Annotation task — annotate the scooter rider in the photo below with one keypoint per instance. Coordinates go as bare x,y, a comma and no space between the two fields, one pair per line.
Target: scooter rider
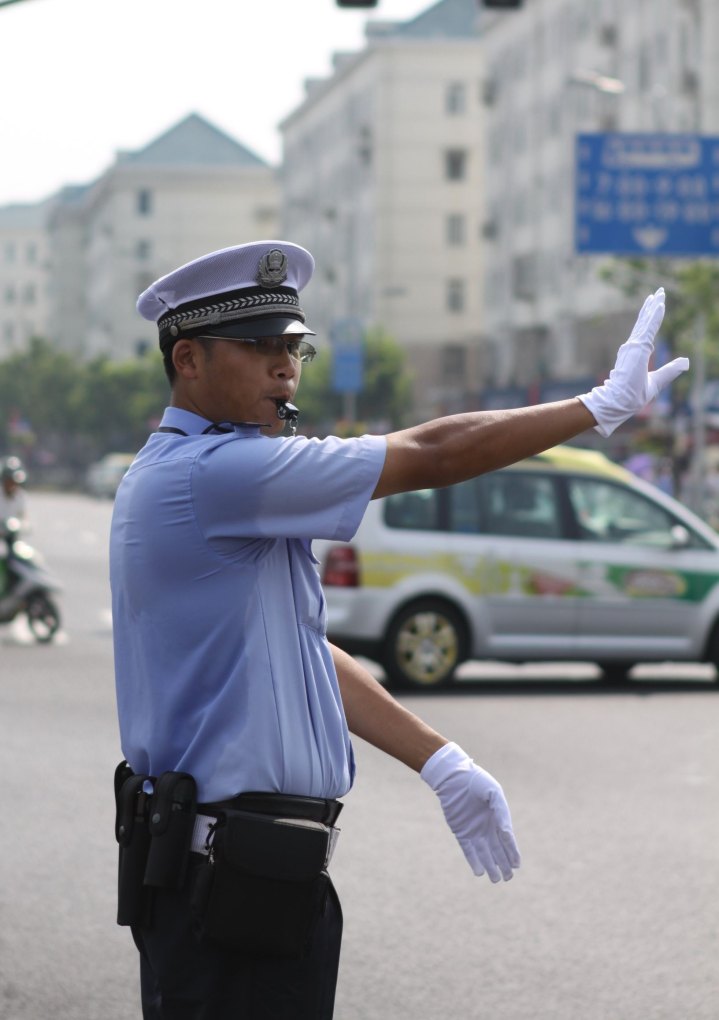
12,494
13,515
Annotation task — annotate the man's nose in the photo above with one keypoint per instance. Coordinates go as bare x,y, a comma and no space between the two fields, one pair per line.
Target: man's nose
285,365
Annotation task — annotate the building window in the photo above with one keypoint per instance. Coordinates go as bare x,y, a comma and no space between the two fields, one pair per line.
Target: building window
644,68
454,363
144,202
554,117
8,332
266,214
455,98
29,294
456,229
520,134
455,164
10,295
31,254
143,250
456,291
10,252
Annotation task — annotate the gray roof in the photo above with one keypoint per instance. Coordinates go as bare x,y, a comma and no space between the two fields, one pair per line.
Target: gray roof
447,19
23,215
193,141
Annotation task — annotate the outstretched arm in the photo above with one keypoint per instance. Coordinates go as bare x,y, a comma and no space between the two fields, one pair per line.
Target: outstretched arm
453,449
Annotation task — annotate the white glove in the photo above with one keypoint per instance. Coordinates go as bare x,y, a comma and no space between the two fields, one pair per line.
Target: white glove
630,386
476,811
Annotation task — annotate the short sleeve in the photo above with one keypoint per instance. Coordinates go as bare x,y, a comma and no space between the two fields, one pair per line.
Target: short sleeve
258,487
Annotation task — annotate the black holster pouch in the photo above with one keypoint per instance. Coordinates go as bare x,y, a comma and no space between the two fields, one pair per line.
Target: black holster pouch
154,832
264,884
172,817
133,836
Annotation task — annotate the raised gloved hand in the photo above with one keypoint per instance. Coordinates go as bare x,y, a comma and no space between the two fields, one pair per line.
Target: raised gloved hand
631,386
476,811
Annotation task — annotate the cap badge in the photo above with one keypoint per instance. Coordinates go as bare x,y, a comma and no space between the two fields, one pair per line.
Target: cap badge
272,269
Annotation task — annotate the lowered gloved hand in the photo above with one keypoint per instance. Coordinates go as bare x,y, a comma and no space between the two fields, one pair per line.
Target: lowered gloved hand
630,386
476,811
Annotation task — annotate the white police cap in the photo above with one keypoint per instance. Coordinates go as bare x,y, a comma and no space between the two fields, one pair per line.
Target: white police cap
244,291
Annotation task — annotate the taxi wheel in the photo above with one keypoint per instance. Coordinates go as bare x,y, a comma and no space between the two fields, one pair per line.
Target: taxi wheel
712,653
425,643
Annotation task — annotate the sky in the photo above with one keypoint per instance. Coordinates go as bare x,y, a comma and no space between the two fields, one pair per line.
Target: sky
82,79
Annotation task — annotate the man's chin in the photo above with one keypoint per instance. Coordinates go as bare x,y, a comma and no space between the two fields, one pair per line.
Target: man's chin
275,428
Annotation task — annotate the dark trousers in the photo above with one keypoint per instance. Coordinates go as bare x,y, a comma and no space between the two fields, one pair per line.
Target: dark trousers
182,979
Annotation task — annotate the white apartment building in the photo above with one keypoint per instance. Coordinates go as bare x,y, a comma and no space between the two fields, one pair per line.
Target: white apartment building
382,180
23,275
548,315
192,190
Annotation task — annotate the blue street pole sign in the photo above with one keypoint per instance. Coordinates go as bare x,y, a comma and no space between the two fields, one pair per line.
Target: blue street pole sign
647,194
347,336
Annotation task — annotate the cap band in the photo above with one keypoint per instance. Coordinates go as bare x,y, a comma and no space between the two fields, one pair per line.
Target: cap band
235,306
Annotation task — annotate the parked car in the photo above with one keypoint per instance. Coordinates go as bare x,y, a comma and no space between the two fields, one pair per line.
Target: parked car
103,477
564,556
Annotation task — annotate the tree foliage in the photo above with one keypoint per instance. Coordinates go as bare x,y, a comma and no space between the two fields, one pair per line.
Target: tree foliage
382,401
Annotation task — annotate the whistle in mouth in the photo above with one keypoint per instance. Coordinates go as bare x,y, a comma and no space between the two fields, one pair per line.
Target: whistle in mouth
289,413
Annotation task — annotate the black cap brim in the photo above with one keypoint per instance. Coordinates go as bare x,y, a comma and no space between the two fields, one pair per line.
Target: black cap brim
271,325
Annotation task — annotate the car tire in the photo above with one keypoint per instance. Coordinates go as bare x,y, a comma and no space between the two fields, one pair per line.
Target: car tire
712,655
615,672
425,643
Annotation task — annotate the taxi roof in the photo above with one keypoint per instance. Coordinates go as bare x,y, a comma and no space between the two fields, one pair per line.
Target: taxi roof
573,459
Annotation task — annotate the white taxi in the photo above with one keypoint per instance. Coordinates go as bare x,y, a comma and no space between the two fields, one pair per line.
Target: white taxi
564,556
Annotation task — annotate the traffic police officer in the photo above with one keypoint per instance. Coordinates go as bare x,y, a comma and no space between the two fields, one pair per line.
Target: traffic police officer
225,680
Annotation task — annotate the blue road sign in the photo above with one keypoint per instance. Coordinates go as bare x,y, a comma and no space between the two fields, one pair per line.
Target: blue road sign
647,194
347,336
347,370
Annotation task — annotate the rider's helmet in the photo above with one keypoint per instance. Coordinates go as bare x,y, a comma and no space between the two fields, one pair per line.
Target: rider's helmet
13,470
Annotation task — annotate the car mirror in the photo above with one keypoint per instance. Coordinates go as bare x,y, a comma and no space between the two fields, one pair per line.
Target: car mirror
681,537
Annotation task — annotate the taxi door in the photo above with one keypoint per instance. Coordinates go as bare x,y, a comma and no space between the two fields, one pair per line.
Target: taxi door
524,574
641,573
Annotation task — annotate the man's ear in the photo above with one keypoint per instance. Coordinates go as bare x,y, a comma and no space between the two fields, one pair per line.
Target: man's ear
185,354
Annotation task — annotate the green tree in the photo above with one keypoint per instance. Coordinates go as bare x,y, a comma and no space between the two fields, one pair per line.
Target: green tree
121,401
384,396
72,411
36,386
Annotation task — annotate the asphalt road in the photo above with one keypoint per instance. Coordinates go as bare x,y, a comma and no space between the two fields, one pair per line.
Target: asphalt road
614,914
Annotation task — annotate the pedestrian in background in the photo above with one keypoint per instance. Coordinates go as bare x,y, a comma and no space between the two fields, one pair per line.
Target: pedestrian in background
235,711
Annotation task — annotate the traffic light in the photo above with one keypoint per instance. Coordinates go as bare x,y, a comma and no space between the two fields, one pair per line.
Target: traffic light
356,3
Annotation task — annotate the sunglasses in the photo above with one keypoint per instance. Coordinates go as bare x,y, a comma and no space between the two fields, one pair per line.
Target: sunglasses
273,346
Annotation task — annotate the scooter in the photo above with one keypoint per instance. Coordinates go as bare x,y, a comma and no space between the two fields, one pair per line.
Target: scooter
29,585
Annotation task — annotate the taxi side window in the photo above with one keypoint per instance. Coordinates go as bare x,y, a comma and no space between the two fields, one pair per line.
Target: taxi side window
415,511
606,512
522,505
464,507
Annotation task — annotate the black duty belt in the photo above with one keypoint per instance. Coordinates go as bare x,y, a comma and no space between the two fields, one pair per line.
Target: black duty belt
282,805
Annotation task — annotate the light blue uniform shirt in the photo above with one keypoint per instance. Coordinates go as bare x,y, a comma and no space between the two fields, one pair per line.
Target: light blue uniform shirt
222,666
